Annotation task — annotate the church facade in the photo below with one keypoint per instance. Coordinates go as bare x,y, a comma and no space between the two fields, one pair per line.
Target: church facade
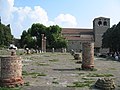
76,36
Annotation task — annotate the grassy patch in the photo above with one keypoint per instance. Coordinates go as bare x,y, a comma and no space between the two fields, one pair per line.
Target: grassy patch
82,84
27,83
112,68
3,88
32,69
99,75
42,64
81,74
46,56
94,69
54,60
55,82
25,73
33,74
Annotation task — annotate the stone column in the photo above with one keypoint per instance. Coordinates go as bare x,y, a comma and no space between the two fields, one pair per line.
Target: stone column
42,43
44,47
53,50
11,71
88,55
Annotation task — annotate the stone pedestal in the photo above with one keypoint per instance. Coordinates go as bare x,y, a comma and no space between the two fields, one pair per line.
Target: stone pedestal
11,71
88,55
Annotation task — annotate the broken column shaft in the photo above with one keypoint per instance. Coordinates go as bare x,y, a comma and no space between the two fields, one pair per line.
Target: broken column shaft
11,71
88,55
43,43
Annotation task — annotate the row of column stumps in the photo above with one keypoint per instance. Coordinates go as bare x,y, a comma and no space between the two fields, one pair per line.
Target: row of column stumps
11,71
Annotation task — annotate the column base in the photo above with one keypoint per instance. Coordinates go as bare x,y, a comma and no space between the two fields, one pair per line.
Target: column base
11,82
87,67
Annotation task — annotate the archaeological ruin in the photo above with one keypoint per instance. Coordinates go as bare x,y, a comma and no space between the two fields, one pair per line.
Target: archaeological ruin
11,71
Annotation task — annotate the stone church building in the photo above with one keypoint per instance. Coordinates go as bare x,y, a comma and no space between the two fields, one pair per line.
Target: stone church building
76,36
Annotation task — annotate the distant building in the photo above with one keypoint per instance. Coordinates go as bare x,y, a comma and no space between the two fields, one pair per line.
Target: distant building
76,36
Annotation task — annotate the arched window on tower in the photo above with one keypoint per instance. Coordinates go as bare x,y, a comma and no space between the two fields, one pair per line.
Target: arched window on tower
105,23
99,23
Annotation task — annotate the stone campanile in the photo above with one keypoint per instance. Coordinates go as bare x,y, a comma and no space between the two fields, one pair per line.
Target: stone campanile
100,25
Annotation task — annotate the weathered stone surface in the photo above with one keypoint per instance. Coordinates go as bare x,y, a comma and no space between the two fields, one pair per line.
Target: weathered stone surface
88,55
105,84
11,71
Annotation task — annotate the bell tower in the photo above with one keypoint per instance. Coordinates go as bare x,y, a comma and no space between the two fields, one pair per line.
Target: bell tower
100,25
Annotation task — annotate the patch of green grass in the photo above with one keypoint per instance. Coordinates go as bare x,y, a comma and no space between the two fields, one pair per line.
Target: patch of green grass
94,69
81,74
46,56
4,88
99,75
32,69
54,60
34,74
27,83
42,64
82,84
55,82
25,73
112,68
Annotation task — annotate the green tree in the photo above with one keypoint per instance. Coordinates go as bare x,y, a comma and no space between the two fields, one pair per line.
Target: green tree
52,33
36,31
55,40
5,35
111,38
27,40
22,40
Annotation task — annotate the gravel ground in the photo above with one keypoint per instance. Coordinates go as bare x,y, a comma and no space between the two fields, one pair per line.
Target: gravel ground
59,71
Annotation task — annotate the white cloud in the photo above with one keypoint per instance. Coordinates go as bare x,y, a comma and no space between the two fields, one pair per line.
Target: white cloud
21,18
66,20
6,7
25,16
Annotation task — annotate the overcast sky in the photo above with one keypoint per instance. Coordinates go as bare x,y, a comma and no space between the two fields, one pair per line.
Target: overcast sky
21,14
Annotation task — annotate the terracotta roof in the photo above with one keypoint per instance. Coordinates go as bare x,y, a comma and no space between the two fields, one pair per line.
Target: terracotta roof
78,34
75,30
89,38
